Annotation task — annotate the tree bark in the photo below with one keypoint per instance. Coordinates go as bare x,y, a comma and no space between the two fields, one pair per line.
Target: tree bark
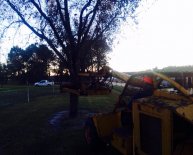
73,109
74,98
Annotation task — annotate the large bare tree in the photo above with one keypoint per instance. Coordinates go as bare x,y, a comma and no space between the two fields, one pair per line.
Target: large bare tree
69,27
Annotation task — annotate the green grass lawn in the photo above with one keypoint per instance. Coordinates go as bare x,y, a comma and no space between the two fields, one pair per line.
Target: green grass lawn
25,127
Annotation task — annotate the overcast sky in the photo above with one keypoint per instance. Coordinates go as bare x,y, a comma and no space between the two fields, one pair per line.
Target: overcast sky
163,37
22,39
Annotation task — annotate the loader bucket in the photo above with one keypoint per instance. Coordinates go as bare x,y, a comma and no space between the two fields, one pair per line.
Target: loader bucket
106,123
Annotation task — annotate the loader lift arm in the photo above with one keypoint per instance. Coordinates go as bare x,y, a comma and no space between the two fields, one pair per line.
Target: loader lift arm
95,83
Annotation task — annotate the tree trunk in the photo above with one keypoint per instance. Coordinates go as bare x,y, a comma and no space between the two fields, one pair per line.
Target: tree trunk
74,98
73,109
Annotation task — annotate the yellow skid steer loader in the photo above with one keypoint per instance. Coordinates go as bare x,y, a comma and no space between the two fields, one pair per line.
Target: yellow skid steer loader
151,117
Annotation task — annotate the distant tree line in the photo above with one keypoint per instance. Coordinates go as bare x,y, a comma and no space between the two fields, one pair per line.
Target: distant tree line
178,69
3,74
188,68
29,65
37,62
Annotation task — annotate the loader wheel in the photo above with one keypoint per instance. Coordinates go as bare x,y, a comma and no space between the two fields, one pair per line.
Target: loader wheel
90,135
184,148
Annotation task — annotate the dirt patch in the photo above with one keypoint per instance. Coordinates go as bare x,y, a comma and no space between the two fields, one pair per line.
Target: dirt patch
61,120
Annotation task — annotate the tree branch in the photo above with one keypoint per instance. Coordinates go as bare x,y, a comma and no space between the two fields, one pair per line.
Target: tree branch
91,21
63,20
80,20
50,23
34,31
15,33
106,27
68,27
54,48
39,3
23,19
86,19
60,12
7,27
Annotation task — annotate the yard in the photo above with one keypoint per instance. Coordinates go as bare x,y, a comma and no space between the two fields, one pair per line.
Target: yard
33,120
